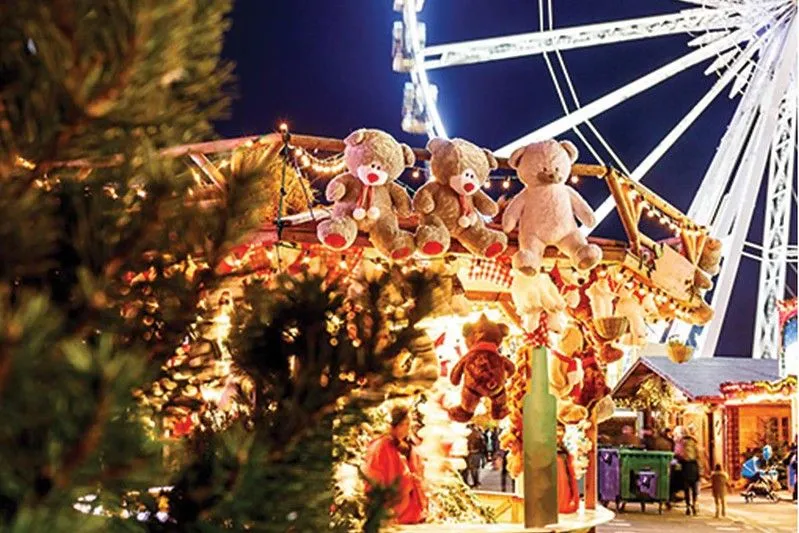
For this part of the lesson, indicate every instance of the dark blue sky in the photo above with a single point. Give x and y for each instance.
(325, 67)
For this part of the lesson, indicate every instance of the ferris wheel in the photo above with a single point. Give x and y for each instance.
(751, 45)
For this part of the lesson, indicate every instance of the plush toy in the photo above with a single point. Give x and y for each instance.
(708, 265)
(533, 294)
(594, 387)
(601, 296)
(632, 308)
(367, 197)
(565, 371)
(546, 208)
(452, 204)
(711, 256)
(483, 370)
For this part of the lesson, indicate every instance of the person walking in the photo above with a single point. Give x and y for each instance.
(686, 451)
(721, 482)
(475, 443)
(392, 461)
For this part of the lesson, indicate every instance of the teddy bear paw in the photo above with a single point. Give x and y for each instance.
(526, 262)
(373, 213)
(465, 221)
(459, 414)
(494, 249)
(588, 257)
(359, 213)
(401, 253)
(335, 240)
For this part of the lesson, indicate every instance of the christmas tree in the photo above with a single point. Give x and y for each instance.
(111, 249)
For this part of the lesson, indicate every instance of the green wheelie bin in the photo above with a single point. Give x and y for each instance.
(644, 477)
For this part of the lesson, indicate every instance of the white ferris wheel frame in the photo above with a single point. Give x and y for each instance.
(753, 47)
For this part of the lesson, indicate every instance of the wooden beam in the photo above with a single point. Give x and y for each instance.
(308, 142)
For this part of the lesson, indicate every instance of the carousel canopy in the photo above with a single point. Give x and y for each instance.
(699, 379)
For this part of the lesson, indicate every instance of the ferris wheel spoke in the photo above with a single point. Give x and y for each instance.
(748, 178)
(708, 204)
(512, 46)
(573, 92)
(776, 230)
(609, 205)
(618, 96)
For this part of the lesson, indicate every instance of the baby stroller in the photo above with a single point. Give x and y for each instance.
(762, 483)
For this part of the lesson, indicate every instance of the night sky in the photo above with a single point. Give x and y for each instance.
(325, 67)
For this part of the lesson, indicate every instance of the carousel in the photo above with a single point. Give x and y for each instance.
(567, 305)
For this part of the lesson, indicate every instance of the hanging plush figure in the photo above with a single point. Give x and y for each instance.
(601, 295)
(533, 294)
(452, 204)
(632, 308)
(483, 370)
(546, 208)
(566, 371)
(367, 197)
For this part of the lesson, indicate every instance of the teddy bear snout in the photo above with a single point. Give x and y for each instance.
(468, 187)
(548, 176)
(372, 174)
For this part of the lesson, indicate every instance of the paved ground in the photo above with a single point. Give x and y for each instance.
(760, 515)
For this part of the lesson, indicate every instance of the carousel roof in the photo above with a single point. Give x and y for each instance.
(698, 379)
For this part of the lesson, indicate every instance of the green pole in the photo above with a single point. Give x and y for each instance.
(540, 447)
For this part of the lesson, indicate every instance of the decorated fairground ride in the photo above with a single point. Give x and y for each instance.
(561, 306)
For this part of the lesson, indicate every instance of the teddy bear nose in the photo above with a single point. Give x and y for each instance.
(372, 177)
(469, 187)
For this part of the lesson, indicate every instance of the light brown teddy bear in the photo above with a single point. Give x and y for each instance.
(546, 208)
(451, 205)
(483, 370)
(367, 197)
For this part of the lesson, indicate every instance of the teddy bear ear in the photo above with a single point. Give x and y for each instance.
(408, 155)
(356, 137)
(516, 157)
(435, 144)
(492, 161)
(504, 329)
(571, 149)
(467, 329)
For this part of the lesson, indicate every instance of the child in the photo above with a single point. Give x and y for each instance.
(720, 482)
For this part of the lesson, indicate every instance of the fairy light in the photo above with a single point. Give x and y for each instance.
(506, 184)
(575, 180)
(283, 127)
(487, 184)
(415, 174)
(24, 163)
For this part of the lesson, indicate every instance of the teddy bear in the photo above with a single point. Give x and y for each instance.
(367, 196)
(452, 203)
(483, 370)
(545, 209)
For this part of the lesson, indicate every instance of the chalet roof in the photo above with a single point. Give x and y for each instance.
(699, 378)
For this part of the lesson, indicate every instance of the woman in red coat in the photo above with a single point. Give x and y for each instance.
(391, 461)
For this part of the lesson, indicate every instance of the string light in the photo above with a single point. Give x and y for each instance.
(24, 163)
(575, 180)
(283, 127)
(506, 184)
(487, 184)
(415, 173)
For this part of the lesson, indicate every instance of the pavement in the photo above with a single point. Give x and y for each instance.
(759, 516)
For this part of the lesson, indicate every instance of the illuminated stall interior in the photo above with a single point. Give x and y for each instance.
(733, 405)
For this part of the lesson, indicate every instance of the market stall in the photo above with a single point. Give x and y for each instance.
(569, 306)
